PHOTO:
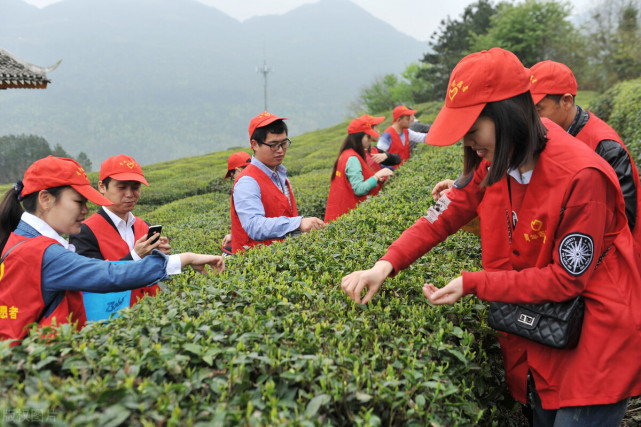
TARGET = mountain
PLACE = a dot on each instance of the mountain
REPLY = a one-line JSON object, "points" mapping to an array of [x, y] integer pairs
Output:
{"points": [[162, 79]]}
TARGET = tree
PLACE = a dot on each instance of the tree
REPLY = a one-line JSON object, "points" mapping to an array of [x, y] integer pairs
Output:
{"points": [[451, 43], [627, 52], [615, 44], [378, 97], [84, 161], [534, 30], [58, 151], [391, 90], [18, 152]]}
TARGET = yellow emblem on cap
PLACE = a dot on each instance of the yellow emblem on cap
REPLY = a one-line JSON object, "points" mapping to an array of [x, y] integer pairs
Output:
{"points": [[131, 164], [455, 87], [81, 171]]}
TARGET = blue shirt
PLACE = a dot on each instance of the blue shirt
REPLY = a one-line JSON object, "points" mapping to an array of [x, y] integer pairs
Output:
{"points": [[251, 212], [385, 140], [64, 270]]}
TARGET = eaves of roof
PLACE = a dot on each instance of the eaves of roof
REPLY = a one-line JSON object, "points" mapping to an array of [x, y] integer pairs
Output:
{"points": [[16, 73]]}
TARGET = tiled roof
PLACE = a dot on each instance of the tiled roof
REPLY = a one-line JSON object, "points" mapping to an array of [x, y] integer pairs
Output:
{"points": [[18, 74]]}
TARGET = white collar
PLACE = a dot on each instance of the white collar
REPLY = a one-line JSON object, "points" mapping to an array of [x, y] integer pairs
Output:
{"points": [[519, 177], [45, 229], [268, 171], [117, 220]]}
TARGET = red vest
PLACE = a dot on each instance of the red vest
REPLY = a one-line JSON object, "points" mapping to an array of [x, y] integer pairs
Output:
{"points": [[595, 131], [21, 300], [341, 194], [113, 248], [605, 367], [397, 146], [274, 202], [375, 167]]}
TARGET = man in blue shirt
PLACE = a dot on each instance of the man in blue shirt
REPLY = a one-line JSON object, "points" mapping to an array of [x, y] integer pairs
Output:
{"points": [[398, 138], [250, 222]]}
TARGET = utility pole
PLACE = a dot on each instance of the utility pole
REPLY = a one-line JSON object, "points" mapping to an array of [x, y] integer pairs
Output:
{"points": [[264, 70]]}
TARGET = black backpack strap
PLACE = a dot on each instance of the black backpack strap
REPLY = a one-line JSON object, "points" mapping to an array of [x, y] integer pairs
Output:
{"points": [[10, 249]]}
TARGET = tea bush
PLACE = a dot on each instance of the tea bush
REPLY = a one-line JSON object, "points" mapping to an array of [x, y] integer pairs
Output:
{"points": [[195, 224], [273, 340], [620, 106]]}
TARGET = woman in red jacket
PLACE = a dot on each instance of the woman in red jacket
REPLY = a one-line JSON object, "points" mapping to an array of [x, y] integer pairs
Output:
{"points": [[553, 227], [352, 179]]}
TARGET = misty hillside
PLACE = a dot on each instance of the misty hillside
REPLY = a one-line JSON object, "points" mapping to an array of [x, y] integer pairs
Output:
{"points": [[162, 79]]}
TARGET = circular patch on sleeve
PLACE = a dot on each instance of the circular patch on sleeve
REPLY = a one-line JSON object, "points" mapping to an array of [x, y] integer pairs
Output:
{"points": [[576, 252]]}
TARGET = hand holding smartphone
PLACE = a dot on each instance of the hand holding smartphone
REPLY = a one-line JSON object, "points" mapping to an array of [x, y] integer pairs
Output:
{"points": [[152, 230]]}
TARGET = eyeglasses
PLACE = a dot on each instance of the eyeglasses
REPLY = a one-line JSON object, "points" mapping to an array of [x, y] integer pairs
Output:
{"points": [[284, 144]]}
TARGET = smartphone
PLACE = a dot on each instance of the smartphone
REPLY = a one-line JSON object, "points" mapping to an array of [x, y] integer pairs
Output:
{"points": [[154, 229]]}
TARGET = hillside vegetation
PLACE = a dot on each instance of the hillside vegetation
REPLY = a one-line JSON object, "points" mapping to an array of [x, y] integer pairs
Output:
{"points": [[273, 340], [166, 79]]}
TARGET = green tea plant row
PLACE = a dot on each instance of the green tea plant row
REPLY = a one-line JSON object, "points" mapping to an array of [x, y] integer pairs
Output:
{"points": [[620, 106], [273, 340]]}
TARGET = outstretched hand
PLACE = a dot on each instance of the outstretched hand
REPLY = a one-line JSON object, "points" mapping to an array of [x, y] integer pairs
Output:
{"points": [[379, 157], [448, 294], [383, 173], [199, 262], [372, 279], [164, 245], [442, 188], [308, 224]]}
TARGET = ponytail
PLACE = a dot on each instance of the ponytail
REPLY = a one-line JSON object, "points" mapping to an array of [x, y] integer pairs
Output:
{"points": [[10, 213]]}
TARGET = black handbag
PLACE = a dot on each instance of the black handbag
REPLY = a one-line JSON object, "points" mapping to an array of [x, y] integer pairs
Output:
{"points": [[554, 324]]}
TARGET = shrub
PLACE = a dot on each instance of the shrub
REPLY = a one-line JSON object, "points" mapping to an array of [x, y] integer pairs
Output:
{"points": [[620, 106], [273, 339]]}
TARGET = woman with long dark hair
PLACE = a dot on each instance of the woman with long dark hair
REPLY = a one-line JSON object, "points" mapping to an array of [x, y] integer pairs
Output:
{"points": [[553, 227], [352, 179], [41, 277]]}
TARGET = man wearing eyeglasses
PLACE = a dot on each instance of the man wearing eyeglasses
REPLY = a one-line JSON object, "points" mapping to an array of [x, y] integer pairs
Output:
{"points": [[263, 208]]}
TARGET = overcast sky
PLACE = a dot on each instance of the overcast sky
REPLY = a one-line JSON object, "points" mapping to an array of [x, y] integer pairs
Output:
{"points": [[417, 18]]}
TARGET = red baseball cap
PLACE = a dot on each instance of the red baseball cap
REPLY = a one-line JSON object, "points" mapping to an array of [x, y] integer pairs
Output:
{"points": [[551, 78], [263, 119], [359, 125], [237, 160], [481, 77], [373, 119], [402, 110], [58, 171], [122, 168]]}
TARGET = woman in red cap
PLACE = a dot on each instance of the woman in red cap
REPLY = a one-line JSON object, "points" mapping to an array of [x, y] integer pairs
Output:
{"points": [[375, 156], [352, 179], [41, 276], [553, 227], [236, 163]]}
